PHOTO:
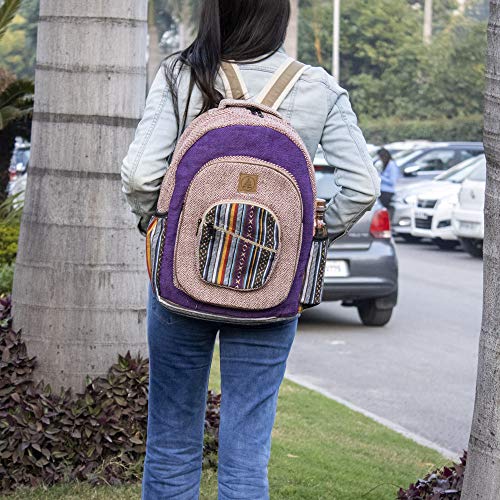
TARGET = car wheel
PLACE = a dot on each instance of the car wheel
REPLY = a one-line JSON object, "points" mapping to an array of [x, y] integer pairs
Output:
{"points": [[446, 244], [409, 238], [371, 315], [472, 246]]}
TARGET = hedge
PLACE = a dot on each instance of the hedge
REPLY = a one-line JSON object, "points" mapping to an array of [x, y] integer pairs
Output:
{"points": [[389, 130]]}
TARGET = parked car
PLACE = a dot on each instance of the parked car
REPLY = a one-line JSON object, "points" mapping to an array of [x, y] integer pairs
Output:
{"points": [[427, 162], [362, 266], [432, 211], [468, 216], [18, 167], [406, 196], [402, 148]]}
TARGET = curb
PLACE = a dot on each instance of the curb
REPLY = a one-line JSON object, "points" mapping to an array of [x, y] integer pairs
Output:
{"points": [[451, 455]]}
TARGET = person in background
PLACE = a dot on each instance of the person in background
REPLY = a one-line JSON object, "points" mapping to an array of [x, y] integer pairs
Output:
{"points": [[389, 176]]}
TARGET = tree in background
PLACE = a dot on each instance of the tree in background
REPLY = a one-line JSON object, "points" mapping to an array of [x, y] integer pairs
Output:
{"points": [[16, 101], [17, 51], [388, 70], [482, 475], [79, 290]]}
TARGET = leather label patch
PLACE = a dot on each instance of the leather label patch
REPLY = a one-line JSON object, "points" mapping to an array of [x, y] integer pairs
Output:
{"points": [[247, 183]]}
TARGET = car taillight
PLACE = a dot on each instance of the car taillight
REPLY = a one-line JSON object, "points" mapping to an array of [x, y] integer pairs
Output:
{"points": [[380, 226]]}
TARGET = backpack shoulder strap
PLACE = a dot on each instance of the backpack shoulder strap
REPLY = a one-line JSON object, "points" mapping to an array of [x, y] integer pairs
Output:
{"points": [[233, 81], [281, 83]]}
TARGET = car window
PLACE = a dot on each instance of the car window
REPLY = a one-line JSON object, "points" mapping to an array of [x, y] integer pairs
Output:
{"points": [[479, 173], [456, 172], [475, 152], [438, 159]]}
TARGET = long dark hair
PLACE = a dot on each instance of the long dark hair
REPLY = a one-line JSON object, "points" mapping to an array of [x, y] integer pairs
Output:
{"points": [[385, 156], [235, 30]]}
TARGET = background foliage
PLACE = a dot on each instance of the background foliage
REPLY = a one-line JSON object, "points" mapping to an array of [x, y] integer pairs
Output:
{"points": [[384, 63], [98, 436]]}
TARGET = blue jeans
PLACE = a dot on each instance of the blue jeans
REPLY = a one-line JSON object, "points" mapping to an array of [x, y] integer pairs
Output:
{"points": [[252, 363]]}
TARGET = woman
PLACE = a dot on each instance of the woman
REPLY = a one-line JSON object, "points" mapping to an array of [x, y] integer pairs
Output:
{"points": [[252, 358], [389, 177]]}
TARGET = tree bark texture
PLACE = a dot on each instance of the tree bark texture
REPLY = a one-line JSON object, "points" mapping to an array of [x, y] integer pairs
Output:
{"points": [[80, 280], [482, 475]]}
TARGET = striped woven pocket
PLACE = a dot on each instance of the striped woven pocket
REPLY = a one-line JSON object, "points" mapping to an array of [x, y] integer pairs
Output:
{"points": [[238, 245], [155, 240], [312, 288]]}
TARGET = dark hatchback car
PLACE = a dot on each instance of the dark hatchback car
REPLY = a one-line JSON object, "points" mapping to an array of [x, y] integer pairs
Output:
{"points": [[362, 266]]}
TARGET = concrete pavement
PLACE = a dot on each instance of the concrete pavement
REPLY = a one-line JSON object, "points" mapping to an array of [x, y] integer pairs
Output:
{"points": [[418, 371]]}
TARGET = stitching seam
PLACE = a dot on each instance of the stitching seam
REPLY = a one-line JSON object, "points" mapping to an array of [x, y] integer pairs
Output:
{"points": [[149, 133], [344, 118]]}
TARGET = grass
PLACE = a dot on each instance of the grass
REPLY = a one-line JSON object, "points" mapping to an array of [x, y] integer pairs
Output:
{"points": [[321, 450]]}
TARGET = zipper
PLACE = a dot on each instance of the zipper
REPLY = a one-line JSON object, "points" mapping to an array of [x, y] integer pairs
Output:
{"points": [[212, 228]]}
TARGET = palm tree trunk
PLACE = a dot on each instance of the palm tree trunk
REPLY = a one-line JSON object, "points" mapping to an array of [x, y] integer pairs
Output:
{"points": [[292, 36], [154, 51], [80, 283], [482, 476]]}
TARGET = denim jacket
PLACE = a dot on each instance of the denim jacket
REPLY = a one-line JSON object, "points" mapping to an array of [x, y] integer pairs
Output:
{"points": [[317, 107]]}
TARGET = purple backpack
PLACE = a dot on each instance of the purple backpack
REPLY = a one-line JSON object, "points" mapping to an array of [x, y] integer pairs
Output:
{"points": [[233, 236]]}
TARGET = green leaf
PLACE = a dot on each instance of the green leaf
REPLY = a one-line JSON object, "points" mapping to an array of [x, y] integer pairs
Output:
{"points": [[8, 11]]}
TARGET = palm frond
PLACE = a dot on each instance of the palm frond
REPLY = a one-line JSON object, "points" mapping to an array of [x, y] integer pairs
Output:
{"points": [[11, 208], [17, 89], [8, 114], [8, 10]]}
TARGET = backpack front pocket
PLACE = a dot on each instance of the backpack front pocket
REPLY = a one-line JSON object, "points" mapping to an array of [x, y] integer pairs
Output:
{"points": [[238, 245]]}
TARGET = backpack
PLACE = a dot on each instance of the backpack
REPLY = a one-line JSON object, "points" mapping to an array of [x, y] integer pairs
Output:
{"points": [[233, 235]]}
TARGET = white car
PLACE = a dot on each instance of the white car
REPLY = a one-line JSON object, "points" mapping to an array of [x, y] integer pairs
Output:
{"points": [[407, 194], [399, 149], [431, 213], [468, 216]]}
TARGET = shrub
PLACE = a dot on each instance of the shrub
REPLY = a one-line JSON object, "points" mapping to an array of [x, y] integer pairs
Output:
{"points": [[9, 235], [469, 128], [97, 436], [443, 484], [6, 278]]}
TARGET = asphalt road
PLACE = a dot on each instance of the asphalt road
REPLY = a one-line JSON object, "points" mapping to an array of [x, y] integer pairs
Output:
{"points": [[419, 370]]}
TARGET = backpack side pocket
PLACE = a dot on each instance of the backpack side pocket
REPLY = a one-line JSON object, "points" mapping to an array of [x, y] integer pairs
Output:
{"points": [[155, 236], [314, 277]]}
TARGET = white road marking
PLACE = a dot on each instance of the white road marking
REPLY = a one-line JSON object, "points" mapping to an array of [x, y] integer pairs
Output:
{"points": [[381, 420]]}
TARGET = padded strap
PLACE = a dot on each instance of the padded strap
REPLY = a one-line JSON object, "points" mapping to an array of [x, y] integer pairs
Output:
{"points": [[281, 83], [233, 81]]}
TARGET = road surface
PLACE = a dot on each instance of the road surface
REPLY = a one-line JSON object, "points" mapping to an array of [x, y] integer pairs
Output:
{"points": [[419, 370]]}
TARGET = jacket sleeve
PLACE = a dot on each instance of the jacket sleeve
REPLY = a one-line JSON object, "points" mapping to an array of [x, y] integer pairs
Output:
{"points": [[356, 185], [145, 163]]}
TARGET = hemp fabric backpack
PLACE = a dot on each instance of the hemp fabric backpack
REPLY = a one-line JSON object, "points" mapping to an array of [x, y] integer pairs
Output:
{"points": [[233, 236]]}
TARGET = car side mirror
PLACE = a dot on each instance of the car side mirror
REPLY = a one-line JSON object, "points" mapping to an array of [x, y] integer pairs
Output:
{"points": [[411, 171]]}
